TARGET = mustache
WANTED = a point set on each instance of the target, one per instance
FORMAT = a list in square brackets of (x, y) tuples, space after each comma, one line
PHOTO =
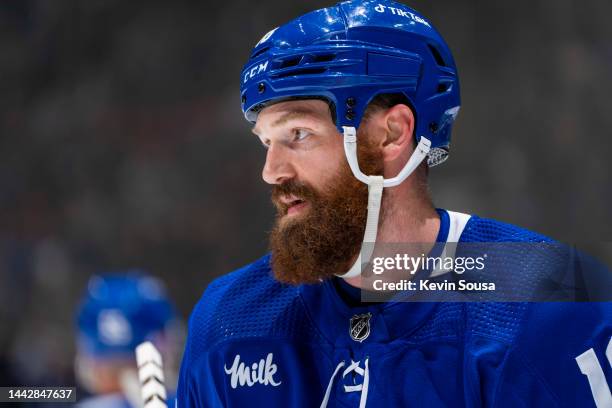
[(292, 187)]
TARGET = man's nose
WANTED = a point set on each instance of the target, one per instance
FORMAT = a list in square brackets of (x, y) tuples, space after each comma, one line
[(277, 169)]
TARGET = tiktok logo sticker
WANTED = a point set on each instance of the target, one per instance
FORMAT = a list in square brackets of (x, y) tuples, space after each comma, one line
[(396, 11)]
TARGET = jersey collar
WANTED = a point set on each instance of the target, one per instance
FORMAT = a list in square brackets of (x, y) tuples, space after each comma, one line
[(388, 321)]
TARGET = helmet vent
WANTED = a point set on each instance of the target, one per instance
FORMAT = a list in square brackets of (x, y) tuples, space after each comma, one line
[(259, 52), (443, 87), (437, 56), (298, 71), (290, 62), (323, 58)]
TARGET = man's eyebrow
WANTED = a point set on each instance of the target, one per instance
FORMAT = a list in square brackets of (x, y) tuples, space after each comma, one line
[(297, 113)]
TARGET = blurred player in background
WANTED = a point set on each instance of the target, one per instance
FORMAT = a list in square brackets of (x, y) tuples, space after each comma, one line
[(118, 312)]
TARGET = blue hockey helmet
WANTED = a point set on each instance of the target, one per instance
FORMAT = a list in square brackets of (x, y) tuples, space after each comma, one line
[(349, 53), (120, 311)]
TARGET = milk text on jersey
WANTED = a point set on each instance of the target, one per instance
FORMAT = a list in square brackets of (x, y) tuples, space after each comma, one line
[(261, 372)]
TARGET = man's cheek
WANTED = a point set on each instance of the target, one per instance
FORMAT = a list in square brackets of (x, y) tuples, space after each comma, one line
[(323, 171)]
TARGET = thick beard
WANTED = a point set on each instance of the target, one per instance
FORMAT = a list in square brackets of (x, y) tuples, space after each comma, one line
[(327, 238)]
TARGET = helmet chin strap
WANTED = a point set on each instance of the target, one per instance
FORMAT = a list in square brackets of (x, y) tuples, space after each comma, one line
[(375, 189)]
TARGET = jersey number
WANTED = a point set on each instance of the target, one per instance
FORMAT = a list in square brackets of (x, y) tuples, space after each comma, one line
[(589, 366)]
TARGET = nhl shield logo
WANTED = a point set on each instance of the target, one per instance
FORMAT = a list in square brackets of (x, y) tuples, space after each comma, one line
[(360, 327)]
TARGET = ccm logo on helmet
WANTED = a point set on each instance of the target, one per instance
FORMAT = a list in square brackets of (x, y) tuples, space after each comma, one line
[(254, 70)]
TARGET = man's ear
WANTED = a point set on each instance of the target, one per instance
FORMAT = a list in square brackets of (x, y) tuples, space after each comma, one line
[(398, 123)]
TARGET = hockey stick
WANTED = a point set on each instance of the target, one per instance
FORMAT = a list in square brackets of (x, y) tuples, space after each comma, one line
[(151, 376)]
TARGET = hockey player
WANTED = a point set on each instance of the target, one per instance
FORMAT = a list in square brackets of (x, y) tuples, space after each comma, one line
[(354, 103), (117, 313)]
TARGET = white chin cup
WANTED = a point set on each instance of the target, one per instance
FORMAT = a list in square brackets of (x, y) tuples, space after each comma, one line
[(375, 188)]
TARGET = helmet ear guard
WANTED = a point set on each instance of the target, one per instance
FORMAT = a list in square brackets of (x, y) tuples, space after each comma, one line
[(348, 54)]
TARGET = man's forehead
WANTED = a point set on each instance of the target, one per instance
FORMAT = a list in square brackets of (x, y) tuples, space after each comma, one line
[(282, 112)]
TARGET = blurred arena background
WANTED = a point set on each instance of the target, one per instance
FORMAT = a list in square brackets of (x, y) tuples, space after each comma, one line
[(122, 144)]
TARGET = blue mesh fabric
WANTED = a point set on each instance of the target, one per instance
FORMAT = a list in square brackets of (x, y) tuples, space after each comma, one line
[(492, 319), (248, 303), (486, 230), (446, 323), (503, 320)]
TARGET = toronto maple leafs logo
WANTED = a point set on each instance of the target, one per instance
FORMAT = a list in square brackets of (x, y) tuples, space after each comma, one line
[(360, 327)]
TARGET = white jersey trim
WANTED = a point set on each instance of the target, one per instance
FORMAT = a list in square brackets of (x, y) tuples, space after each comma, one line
[(457, 223)]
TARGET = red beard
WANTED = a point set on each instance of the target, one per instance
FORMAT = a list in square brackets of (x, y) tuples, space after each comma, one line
[(325, 239)]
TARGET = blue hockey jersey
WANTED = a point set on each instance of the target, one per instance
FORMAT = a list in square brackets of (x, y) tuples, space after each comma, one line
[(255, 342)]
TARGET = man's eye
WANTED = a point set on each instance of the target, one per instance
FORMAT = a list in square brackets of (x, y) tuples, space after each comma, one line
[(300, 134)]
